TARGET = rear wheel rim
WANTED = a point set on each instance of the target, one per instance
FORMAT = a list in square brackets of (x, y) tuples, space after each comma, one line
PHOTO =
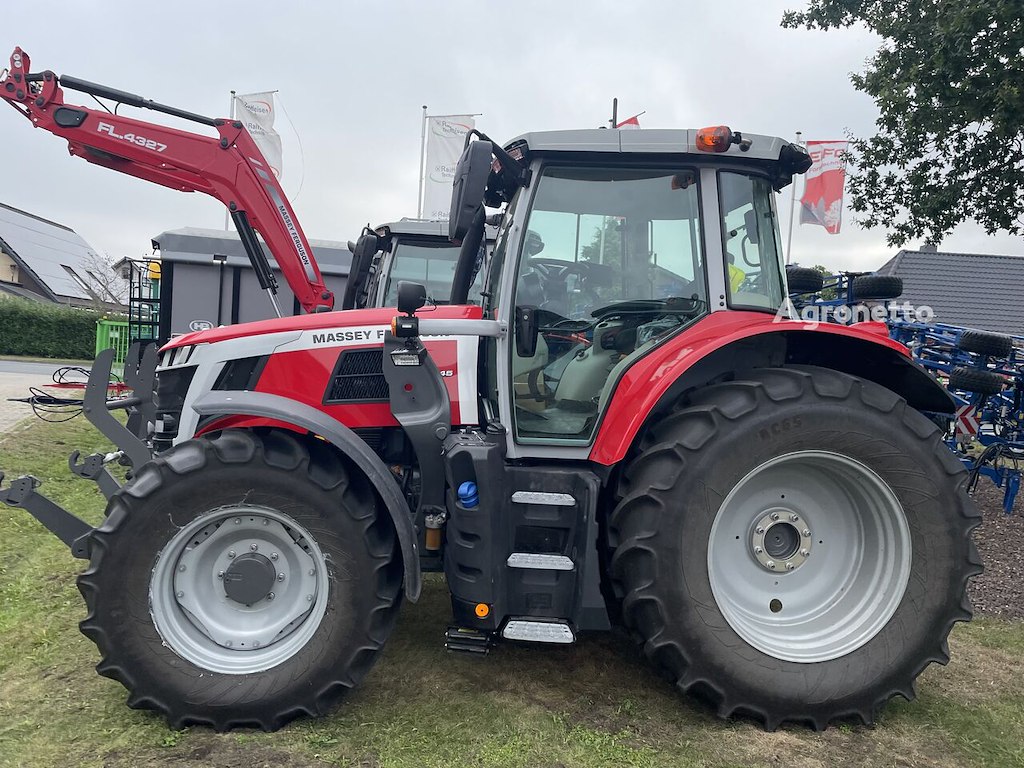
[(239, 590), (809, 556)]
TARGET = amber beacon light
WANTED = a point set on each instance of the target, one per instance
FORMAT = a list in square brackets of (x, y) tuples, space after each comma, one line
[(717, 138)]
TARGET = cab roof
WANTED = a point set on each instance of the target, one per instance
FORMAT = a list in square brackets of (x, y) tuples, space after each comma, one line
[(645, 140)]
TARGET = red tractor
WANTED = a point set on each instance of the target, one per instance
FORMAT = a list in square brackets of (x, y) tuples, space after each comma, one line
[(619, 429)]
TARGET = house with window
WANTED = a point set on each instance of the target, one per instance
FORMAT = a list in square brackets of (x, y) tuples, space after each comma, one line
[(44, 261), (974, 290)]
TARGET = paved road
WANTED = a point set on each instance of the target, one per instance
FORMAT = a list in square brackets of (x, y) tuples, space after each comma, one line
[(21, 367)]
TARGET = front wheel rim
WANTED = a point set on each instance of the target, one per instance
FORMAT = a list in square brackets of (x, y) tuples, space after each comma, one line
[(239, 590), (809, 556)]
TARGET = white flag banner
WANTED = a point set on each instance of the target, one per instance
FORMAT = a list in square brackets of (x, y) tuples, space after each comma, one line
[(256, 112), (446, 136)]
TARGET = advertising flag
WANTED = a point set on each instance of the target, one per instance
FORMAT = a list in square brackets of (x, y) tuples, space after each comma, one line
[(446, 136), (822, 203), (256, 112)]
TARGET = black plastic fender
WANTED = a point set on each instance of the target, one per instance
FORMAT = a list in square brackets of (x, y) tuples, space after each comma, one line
[(345, 440)]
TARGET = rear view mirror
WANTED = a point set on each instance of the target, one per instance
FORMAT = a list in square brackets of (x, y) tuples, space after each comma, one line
[(527, 329), (411, 296), (468, 188), (362, 257)]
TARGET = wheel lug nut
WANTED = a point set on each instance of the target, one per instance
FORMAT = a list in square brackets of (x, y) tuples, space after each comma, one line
[(274, 556), (253, 547), (790, 566), (238, 521), (806, 531), (255, 643), (805, 552), (775, 515), (760, 529), (771, 564), (309, 598), (228, 643), (758, 550), (182, 568), (312, 572), (265, 521), (793, 518), (179, 595), (220, 574), (270, 596), (280, 577), (231, 554)]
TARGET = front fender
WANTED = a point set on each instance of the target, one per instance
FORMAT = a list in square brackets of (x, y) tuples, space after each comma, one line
[(262, 405), (725, 342)]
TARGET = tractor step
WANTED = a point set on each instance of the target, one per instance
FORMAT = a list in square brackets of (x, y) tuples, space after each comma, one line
[(539, 562), (539, 631), (466, 640)]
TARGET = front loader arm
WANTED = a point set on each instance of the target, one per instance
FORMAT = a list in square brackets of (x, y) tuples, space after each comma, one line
[(230, 168)]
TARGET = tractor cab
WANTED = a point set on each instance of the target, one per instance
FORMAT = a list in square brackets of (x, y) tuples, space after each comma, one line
[(414, 250), (608, 244)]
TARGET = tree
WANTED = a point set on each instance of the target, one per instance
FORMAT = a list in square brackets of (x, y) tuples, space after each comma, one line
[(827, 294), (948, 81), (606, 245), (106, 287)]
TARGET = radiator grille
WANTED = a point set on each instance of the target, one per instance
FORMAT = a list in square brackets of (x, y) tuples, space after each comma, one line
[(358, 377)]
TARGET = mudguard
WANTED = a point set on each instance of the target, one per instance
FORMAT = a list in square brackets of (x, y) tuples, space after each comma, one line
[(723, 342), (266, 406)]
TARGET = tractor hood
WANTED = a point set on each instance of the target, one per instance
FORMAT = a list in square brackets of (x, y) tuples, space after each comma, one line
[(325, 321)]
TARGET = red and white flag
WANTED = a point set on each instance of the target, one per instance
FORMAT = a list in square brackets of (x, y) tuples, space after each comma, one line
[(256, 111), (632, 122), (822, 203)]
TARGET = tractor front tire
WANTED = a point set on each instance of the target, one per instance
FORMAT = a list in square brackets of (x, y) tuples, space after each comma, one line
[(794, 546), (241, 580)]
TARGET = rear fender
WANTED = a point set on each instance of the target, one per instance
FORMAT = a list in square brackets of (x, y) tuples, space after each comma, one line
[(305, 418), (716, 351)]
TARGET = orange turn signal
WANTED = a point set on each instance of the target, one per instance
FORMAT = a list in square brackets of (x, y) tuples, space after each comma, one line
[(482, 610), (716, 138)]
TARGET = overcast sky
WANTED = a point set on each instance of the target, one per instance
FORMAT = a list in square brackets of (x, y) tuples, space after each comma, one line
[(352, 77)]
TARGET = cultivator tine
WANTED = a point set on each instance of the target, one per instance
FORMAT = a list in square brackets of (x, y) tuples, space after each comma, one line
[(97, 411), (56, 519), (92, 469)]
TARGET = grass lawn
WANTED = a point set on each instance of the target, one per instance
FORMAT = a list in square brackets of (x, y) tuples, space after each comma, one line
[(592, 704)]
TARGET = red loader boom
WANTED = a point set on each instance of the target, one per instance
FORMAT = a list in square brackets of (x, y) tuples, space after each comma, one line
[(230, 168)]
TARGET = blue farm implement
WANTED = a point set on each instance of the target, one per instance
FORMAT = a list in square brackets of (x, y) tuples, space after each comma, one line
[(983, 371)]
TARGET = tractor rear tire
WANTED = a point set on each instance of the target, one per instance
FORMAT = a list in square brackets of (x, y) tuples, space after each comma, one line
[(984, 343), (973, 380), (876, 287), (185, 569), (804, 467), (804, 280)]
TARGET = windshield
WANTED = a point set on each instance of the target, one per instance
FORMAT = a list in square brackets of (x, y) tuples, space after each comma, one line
[(432, 265), (750, 235), (612, 261)]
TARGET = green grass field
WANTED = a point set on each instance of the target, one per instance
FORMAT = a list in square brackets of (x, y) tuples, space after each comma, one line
[(592, 704)]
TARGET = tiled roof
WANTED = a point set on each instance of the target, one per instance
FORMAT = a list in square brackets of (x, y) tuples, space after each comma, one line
[(44, 248), (975, 290)]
